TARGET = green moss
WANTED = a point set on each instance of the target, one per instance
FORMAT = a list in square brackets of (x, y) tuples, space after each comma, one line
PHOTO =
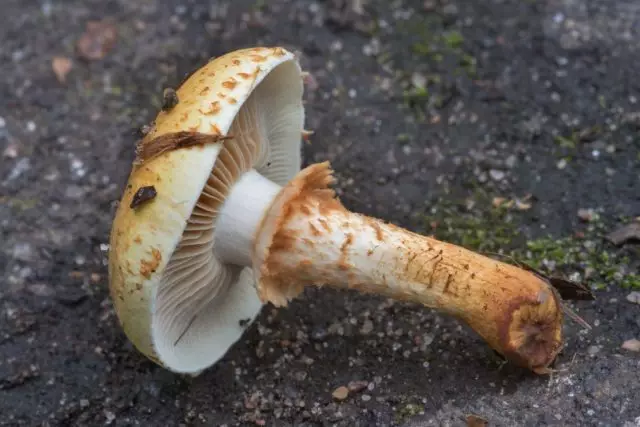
[(19, 205), (453, 39), (494, 231), (438, 49), (403, 138), (579, 135), (468, 63), (407, 411), (589, 256), (259, 5), (565, 142), (416, 94), (422, 48), (602, 101)]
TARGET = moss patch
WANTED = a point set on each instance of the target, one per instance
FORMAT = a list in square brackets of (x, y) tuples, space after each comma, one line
[(585, 256), (407, 411), (439, 56)]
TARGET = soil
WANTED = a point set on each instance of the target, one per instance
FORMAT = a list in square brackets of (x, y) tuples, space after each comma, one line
[(416, 104)]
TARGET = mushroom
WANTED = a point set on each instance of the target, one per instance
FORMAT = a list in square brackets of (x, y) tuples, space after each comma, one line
[(234, 223)]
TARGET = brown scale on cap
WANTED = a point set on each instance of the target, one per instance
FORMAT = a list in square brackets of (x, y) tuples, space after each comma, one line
[(147, 267), (211, 108)]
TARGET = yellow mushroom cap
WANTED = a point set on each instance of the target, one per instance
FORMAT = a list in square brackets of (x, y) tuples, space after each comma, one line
[(180, 305)]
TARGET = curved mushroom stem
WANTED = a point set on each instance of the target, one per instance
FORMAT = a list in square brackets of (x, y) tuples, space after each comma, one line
[(309, 237)]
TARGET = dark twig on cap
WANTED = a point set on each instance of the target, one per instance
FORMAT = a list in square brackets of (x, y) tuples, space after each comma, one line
[(147, 150)]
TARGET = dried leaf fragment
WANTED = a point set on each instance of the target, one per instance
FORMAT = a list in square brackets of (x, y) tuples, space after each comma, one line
[(61, 66), (97, 40), (476, 421), (567, 289), (625, 233), (306, 135), (501, 202), (143, 195), (146, 150), (524, 203)]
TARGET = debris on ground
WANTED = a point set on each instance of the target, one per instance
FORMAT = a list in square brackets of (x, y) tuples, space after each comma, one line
[(631, 345), (97, 40), (340, 393), (634, 297), (586, 215), (476, 421), (61, 66), (521, 204), (625, 234)]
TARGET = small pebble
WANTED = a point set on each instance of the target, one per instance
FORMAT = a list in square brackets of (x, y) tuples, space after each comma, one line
[(356, 386), (593, 350), (10, 152), (631, 345), (634, 297), (496, 175), (367, 327), (586, 214), (22, 166), (561, 164), (340, 393)]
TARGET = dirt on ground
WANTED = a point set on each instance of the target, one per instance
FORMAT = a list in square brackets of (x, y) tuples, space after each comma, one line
[(501, 125)]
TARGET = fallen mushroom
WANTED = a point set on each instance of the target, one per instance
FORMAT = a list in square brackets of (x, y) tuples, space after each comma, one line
[(236, 224)]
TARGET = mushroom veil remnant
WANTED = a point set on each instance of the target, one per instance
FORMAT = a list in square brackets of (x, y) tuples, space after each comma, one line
[(234, 223)]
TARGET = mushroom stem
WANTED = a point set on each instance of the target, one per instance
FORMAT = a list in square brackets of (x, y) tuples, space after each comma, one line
[(240, 216), (309, 238)]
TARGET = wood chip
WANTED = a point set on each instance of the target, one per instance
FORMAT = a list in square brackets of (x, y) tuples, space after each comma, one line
[(624, 234), (61, 66)]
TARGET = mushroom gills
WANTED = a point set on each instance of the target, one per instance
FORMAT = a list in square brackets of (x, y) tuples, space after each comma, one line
[(187, 300)]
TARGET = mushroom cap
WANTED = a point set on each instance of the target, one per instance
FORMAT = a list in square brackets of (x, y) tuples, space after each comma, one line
[(183, 323)]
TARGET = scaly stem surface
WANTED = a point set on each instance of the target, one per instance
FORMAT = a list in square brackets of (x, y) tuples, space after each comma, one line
[(309, 238)]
